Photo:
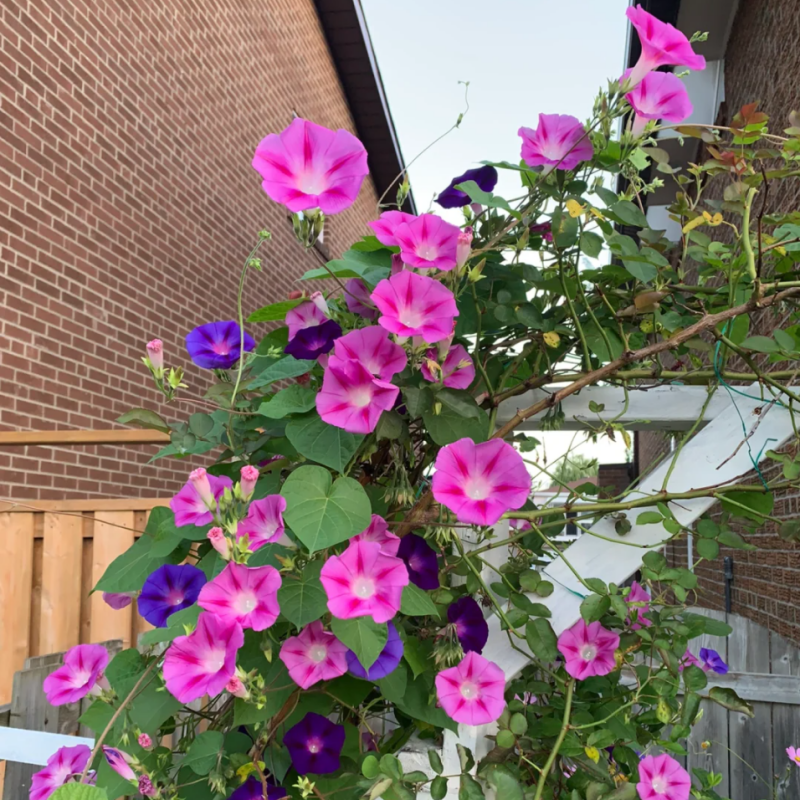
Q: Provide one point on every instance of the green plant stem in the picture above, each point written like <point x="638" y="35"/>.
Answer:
<point x="548" y="765"/>
<point x="747" y="244"/>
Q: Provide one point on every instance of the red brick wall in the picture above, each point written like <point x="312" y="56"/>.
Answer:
<point x="128" y="204"/>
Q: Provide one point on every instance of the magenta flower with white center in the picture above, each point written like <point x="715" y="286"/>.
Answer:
<point x="313" y="655"/>
<point x="428" y="242"/>
<point x="662" y="45"/>
<point x="415" y="305"/>
<point x="351" y="398"/>
<point x="356" y="295"/>
<point x="472" y="692"/>
<point x="588" y="649"/>
<point x="480" y="482"/>
<point x="189" y="506"/>
<point x="638" y="600"/>
<point x="306" y="315"/>
<point x="264" y="521"/>
<point x="247" y="595"/>
<point x="204" y="661"/>
<point x="81" y="674"/>
<point x="364" y="582"/>
<point x="378" y="531"/>
<point x="118" y="600"/>
<point x="155" y="352"/>
<point x="248" y="477"/>
<point x="308" y="166"/>
<point x="663" y="778"/>
<point x="558" y="142"/>
<point x="689" y="660"/>
<point x="661" y="95"/>
<point x="373" y="349"/>
<point x="458" y="370"/>
<point x="120" y="762"/>
<point x="385" y="228"/>
<point x="65" y="763"/>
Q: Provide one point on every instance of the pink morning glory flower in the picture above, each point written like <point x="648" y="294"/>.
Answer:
<point x="378" y="531"/>
<point x="306" y="315"/>
<point x="588" y="649"/>
<point x="188" y="504"/>
<point x="385" y="228"/>
<point x="65" y="763"/>
<point x="639" y="601"/>
<point x="662" y="45"/>
<point x="458" y="370"/>
<point x="364" y="582"/>
<point x="428" y="242"/>
<point x="248" y="477"/>
<point x="351" y="399"/>
<point x="372" y="348"/>
<point x="415" y="305"/>
<point x="794" y="755"/>
<point x="356" y="295"/>
<point x="204" y="661"/>
<point x="308" y="166"/>
<point x="559" y="141"/>
<point x="247" y="595"/>
<point x="472" y="691"/>
<point x="120" y="762"/>
<point x="81" y="674"/>
<point x="663" y="778"/>
<point x="480" y="482"/>
<point x="264" y="521"/>
<point x="314" y="655"/>
<point x="661" y="95"/>
<point x="688" y="660"/>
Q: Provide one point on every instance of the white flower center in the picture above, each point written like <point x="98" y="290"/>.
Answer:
<point x="215" y="661"/>
<point x="361" y="396"/>
<point x="588" y="652"/>
<point x="470" y="690"/>
<point x="317" y="653"/>
<point x="311" y="183"/>
<point x="363" y="588"/>
<point x="175" y="598"/>
<point x="81" y="678"/>
<point x="477" y="489"/>
<point x="410" y="317"/>
<point x="314" y="745"/>
<point x="246" y="602"/>
<point x="660" y="784"/>
<point x="427" y="251"/>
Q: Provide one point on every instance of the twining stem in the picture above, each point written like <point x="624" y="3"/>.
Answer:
<point x="747" y="244"/>
<point x="559" y="741"/>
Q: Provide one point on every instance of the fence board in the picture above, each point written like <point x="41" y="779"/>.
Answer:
<point x="785" y="720"/>
<point x="16" y="581"/>
<point x="61" y="583"/>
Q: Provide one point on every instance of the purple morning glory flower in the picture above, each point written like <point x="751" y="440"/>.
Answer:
<point x="169" y="589"/>
<point x="308" y="343"/>
<point x="216" y="345"/>
<point x="315" y="745"/>
<point x="386" y="662"/>
<point x="251" y="790"/>
<point x="471" y="628"/>
<point x="485" y="177"/>
<point x="420" y="558"/>
<point x="712" y="660"/>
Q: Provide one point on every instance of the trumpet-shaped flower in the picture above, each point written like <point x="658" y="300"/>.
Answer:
<point x="65" y="763"/>
<point x="378" y="531"/>
<point x="660" y="95"/>
<point x="315" y="745"/>
<point x="712" y="661"/>
<point x="218" y="345"/>
<point x="316" y="340"/>
<point x="384" y="664"/>
<point x="168" y="589"/>
<point x="247" y="595"/>
<point x="662" y="45"/>
<point x="314" y="655"/>
<point x="428" y="242"/>
<point x="480" y="482"/>
<point x="485" y="177"/>
<point x="415" y="305"/>
<point x="364" y="582"/>
<point x="308" y="166"/>
<point x="189" y="505"/>
<point x="356" y="295"/>
<point x="588" y="649"/>
<point x="663" y="778"/>
<point x="420" y="560"/>
<point x="559" y="141"/>
<point x="458" y="370"/>
<point x="204" y="661"/>
<point x="264" y="521"/>
<point x="252" y="789"/>
<point x="81" y="674"/>
<point x="472" y="692"/>
<point x="120" y="762"/>
<point x="471" y="627"/>
<point x="306" y="315"/>
<point x="386" y="225"/>
<point x="351" y="398"/>
<point x="373" y="349"/>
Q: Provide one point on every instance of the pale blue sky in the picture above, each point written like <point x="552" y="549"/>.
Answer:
<point x="521" y="57"/>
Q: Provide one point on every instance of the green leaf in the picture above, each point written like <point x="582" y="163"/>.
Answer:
<point x="708" y="548"/>
<point x="649" y="518"/>
<point x="628" y="214"/>
<point x="713" y="627"/>
<point x="732" y="539"/>
<point x="287" y="367"/>
<point x="461" y="402"/>
<point x="363" y="636"/>
<point x="761" y="344"/>
<point x="303" y="601"/>
<point x="417" y="603"/>
<point x="541" y="639"/>
<point x="417" y="653"/>
<point x="506" y="785"/>
<point x="438" y="788"/>
<point x="640" y="270"/>
<point x="597" y="343"/>
<point x="435" y="762"/>
<point x="417" y="400"/>
<point x="594" y="607"/>
<point x="166" y="534"/>
<point x="294" y="399"/>
<point x="727" y="698"/>
<point x="144" y="418"/>
<point x="606" y="195"/>
<point x="785" y="340"/>
<point x="694" y="678"/>
<point x="752" y="505"/>
<point x="79" y="791"/>
<point x="390" y="426"/>
<point x="591" y="244"/>
<point x="449" y="426"/>
<point x="393" y="686"/>
<point x="201" y="424"/>
<point x="371" y="265"/>
<point x="97" y="716"/>
<point x="470" y="789"/>
<point x="477" y="195"/>
<point x="203" y="752"/>
<point x="175" y="626"/>
<point x="321" y="513"/>
<point x="276" y="311"/>
<point x="128" y="572"/>
<point x="318" y="441"/>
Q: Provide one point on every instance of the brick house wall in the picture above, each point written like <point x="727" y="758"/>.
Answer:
<point x="128" y="204"/>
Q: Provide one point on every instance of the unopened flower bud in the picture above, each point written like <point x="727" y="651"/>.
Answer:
<point x="236" y="687"/>
<point x="199" y="479"/>
<point x="145" y="741"/>
<point x="146" y="788"/>
<point x="249" y="476"/>
<point x="397" y="263"/>
<point x="155" y="352"/>
<point x="476" y="208"/>
<point x="463" y="247"/>
<point x="220" y="542"/>
<point x="295" y="295"/>
<point x="318" y="299"/>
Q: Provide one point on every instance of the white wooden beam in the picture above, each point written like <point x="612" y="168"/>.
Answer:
<point x="661" y="408"/>
<point x="34" y="747"/>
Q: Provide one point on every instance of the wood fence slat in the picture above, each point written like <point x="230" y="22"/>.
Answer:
<point x="109" y="541"/>
<point x="77" y="506"/>
<point x="61" y="583"/>
<point x="785" y="720"/>
<point x="16" y="580"/>
<point x="71" y="437"/>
